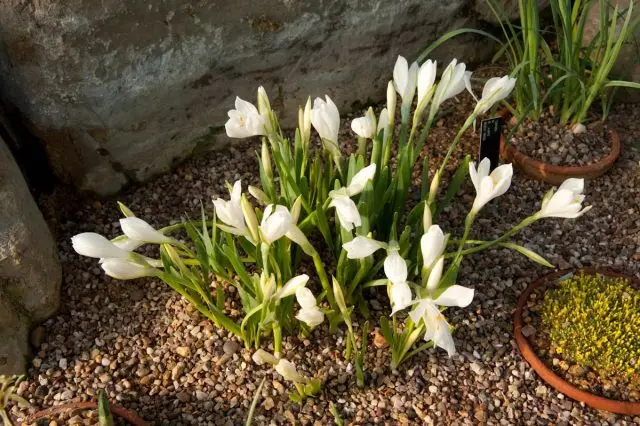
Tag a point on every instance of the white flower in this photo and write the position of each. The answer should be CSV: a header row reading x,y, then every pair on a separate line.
x,y
566,202
404,80
292,286
426,78
495,90
309,312
137,229
360,179
383,120
276,222
400,295
245,121
288,370
263,357
346,209
453,81
426,309
489,186
95,245
361,247
365,127
395,267
432,245
230,212
325,118
124,270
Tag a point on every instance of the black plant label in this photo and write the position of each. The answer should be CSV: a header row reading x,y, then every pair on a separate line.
x,y
490,131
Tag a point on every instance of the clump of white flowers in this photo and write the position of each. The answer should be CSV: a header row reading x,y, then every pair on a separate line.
x,y
357,204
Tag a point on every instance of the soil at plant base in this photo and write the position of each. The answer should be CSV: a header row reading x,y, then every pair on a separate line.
x,y
154,354
583,378
551,142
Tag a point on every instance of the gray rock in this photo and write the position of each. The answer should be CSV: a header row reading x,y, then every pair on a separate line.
x,y
14,335
29,269
120,92
30,274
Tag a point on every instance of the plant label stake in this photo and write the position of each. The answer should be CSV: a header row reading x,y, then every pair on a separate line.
x,y
490,131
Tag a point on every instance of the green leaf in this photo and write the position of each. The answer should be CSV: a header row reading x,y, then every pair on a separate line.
x,y
125,210
104,412
529,253
254,403
336,415
456,182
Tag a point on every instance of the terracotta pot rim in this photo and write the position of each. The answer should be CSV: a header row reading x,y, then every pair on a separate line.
x,y
554,173
123,413
546,373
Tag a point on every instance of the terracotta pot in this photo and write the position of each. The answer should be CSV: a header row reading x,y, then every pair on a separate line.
x,y
553,174
123,413
561,385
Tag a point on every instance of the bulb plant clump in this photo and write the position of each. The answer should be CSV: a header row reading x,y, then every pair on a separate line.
x,y
356,207
594,321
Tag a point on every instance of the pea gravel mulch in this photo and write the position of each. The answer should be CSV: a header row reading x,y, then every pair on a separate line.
x,y
153,354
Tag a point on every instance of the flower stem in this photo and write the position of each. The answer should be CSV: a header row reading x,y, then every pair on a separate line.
x,y
526,222
326,286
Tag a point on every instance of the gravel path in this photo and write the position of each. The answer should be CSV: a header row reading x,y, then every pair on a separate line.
x,y
155,355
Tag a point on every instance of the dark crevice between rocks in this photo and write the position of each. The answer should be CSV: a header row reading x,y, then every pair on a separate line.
x,y
27,151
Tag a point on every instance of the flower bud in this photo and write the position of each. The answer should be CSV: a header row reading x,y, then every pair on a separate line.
x,y
433,189
288,370
263,357
95,245
391,100
266,160
250,218
139,230
124,270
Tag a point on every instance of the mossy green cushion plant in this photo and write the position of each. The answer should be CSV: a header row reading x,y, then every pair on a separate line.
x,y
594,321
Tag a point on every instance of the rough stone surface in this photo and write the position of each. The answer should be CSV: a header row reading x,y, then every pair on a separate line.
x,y
30,274
14,338
121,91
627,67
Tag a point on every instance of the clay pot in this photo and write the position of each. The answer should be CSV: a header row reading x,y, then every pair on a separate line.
x,y
553,174
131,417
557,382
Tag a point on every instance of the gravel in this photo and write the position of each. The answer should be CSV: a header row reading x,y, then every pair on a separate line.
x,y
154,354
549,141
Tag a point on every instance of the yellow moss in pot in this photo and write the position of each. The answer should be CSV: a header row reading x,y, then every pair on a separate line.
x,y
594,321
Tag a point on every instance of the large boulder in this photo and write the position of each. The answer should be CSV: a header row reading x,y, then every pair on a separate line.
x,y
30,273
120,91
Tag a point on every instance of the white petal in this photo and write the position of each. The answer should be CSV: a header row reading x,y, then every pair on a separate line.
x,y
140,230
401,75
292,286
361,247
383,120
395,267
95,245
261,357
347,211
311,316
426,78
442,337
574,185
288,370
305,298
276,222
435,275
456,295
432,244
360,179
124,270
400,295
